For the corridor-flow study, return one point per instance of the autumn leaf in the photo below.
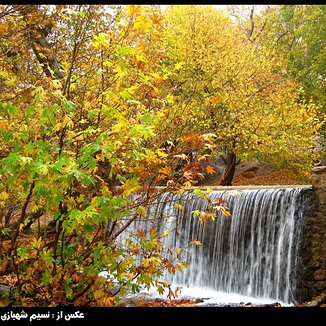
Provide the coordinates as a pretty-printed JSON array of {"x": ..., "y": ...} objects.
[
  {"x": 140, "y": 233},
  {"x": 219, "y": 201},
  {"x": 178, "y": 251},
  {"x": 142, "y": 23},
  {"x": 156, "y": 19},
  {"x": 4, "y": 195},
  {"x": 131, "y": 186},
  {"x": 223, "y": 209},
  {"x": 4, "y": 125},
  {"x": 133, "y": 9},
  {"x": 165, "y": 233},
  {"x": 187, "y": 184},
  {"x": 179, "y": 65},
  {"x": 195, "y": 242},
  {"x": 88, "y": 132},
  {"x": 166, "y": 170},
  {"x": 179, "y": 206},
  {"x": 215, "y": 99},
  {"x": 193, "y": 138},
  {"x": 210, "y": 169}
]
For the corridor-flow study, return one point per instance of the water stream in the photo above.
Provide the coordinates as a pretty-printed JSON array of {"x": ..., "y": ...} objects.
[{"x": 251, "y": 256}]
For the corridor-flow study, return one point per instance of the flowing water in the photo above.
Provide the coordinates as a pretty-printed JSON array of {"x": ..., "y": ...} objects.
[{"x": 253, "y": 254}]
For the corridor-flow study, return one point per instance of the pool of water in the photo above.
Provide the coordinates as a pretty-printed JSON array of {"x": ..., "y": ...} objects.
[{"x": 210, "y": 297}]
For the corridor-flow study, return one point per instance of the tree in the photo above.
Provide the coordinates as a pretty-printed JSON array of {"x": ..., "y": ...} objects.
[
  {"x": 296, "y": 33},
  {"x": 77, "y": 162},
  {"x": 237, "y": 89}
]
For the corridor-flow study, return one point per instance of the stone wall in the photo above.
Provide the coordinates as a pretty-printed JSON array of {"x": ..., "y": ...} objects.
[{"x": 314, "y": 238}]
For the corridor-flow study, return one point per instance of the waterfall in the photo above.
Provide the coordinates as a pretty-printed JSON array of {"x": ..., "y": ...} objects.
[{"x": 255, "y": 252}]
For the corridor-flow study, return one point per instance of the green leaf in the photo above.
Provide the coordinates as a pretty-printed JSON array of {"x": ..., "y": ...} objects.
[{"x": 70, "y": 106}]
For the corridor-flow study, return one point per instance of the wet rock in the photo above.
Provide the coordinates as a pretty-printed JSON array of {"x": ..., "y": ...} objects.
[{"x": 316, "y": 302}]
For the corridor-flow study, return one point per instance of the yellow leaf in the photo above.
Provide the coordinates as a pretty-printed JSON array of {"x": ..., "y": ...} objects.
[
  {"x": 187, "y": 184},
  {"x": 142, "y": 23},
  {"x": 141, "y": 210},
  {"x": 108, "y": 63},
  {"x": 180, "y": 191},
  {"x": 178, "y": 65},
  {"x": 166, "y": 170},
  {"x": 179, "y": 251},
  {"x": 131, "y": 186},
  {"x": 165, "y": 233},
  {"x": 157, "y": 78},
  {"x": 133, "y": 9},
  {"x": 161, "y": 152},
  {"x": 179, "y": 206},
  {"x": 145, "y": 262},
  {"x": 195, "y": 242},
  {"x": 225, "y": 211},
  {"x": 56, "y": 84},
  {"x": 4, "y": 195},
  {"x": 67, "y": 122},
  {"x": 33, "y": 207}
]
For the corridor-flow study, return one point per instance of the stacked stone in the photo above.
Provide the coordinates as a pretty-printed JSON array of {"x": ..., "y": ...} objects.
[{"x": 316, "y": 271}]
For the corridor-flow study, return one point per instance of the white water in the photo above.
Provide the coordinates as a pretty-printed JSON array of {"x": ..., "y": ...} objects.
[
  {"x": 251, "y": 256},
  {"x": 209, "y": 297}
]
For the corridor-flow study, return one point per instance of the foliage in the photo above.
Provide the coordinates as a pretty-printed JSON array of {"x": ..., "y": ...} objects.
[
  {"x": 102, "y": 104},
  {"x": 76, "y": 131},
  {"x": 297, "y": 34},
  {"x": 238, "y": 89}
]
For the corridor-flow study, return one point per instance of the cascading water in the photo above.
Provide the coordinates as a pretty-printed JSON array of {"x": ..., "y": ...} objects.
[{"x": 255, "y": 252}]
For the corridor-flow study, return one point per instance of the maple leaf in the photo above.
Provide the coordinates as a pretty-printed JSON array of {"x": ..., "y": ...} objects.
[
  {"x": 178, "y": 65},
  {"x": 195, "y": 242},
  {"x": 187, "y": 184},
  {"x": 210, "y": 169},
  {"x": 215, "y": 99},
  {"x": 166, "y": 170},
  {"x": 140, "y": 233},
  {"x": 142, "y": 23},
  {"x": 4, "y": 125},
  {"x": 179, "y": 206},
  {"x": 219, "y": 201},
  {"x": 156, "y": 19}
]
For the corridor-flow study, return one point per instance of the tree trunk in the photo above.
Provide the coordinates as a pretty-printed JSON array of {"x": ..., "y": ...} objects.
[{"x": 230, "y": 162}]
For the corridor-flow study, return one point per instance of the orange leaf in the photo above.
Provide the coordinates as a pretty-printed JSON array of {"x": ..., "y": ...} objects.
[
  {"x": 140, "y": 233},
  {"x": 4, "y": 125},
  {"x": 195, "y": 242},
  {"x": 215, "y": 99},
  {"x": 210, "y": 169},
  {"x": 166, "y": 170},
  {"x": 156, "y": 19},
  {"x": 194, "y": 139}
]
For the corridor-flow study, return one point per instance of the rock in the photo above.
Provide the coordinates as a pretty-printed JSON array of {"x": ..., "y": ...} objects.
[
  {"x": 316, "y": 302},
  {"x": 250, "y": 173},
  {"x": 318, "y": 177},
  {"x": 320, "y": 286},
  {"x": 319, "y": 169},
  {"x": 319, "y": 275}
]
